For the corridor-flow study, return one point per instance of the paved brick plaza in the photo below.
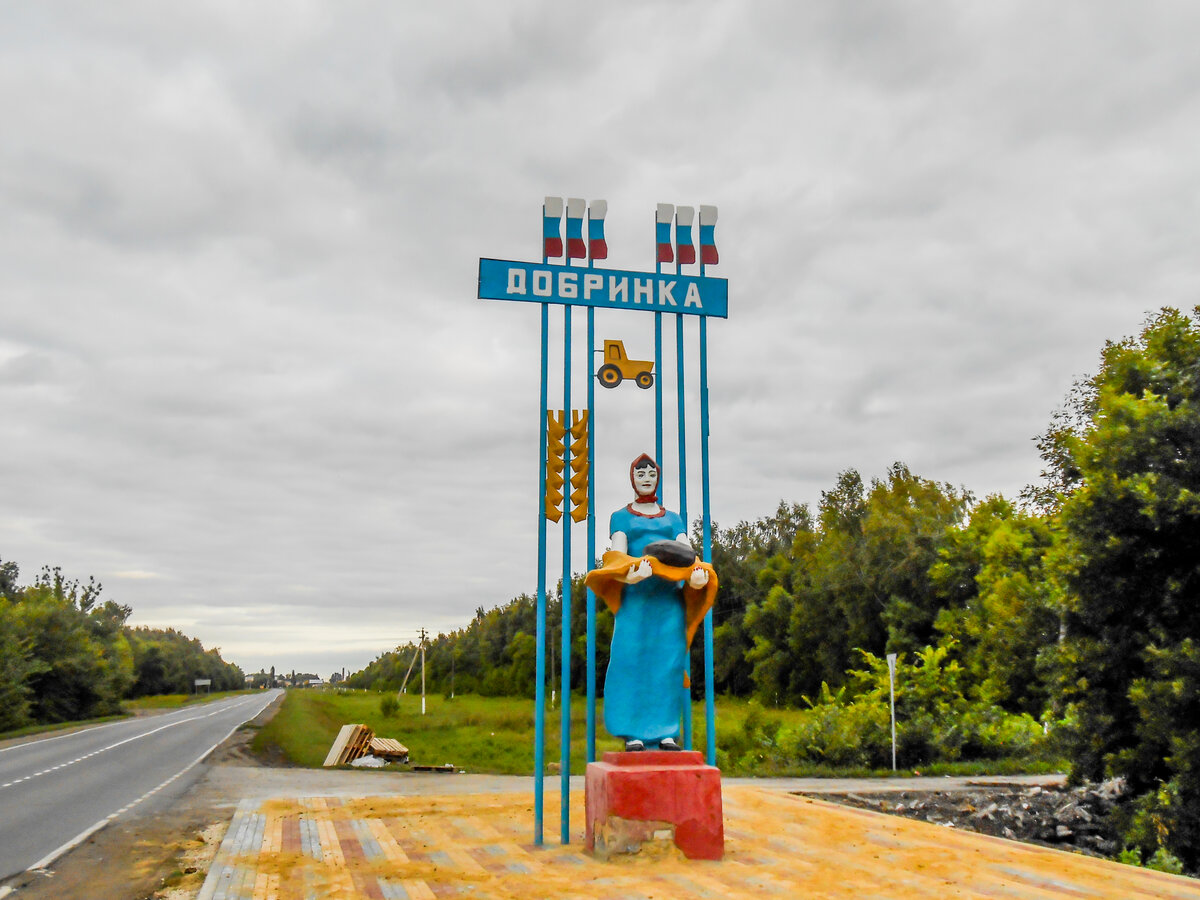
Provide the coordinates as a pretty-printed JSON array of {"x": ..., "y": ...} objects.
[{"x": 478, "y": 845}]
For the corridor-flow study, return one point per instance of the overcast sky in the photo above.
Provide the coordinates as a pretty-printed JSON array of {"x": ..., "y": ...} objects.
[{"x": 244, "y": 377}]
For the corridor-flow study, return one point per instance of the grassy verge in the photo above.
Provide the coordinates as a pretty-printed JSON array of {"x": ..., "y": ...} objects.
[
  {"x": 160, "y": 701},
  {"x": 495, "y": 734},
  {"x": 174, "y": 701},
  {"x": 56, "y": 726},
  {"x": 1012, "y": 765}
]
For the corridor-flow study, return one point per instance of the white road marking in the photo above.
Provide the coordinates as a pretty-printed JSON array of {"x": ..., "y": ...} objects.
[
  {"x": 92, "y": 829},
  {"x": 38, "y": 742},
  {"x": 59, "y": 737},
  {"x": 127, "y": 740}
]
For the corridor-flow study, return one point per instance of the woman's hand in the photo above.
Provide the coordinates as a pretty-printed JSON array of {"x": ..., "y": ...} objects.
[
  {"x": 639, "y": 571},
  {"x": 698, "y": 578}
]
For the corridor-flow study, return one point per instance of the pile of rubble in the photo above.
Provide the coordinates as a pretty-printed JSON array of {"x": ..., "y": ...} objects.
[{"x": 1064, "y": 817}]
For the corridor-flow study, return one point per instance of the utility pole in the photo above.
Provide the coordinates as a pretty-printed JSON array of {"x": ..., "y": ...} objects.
[
  {"x": 422, "y": 671},
  {"x": 404, "y": 683}
]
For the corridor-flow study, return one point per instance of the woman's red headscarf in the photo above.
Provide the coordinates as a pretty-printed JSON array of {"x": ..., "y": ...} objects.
[{"x": 642, "y": 462}]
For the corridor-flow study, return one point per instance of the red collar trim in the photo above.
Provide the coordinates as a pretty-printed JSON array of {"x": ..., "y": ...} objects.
[{"x": 661, "y": 512}]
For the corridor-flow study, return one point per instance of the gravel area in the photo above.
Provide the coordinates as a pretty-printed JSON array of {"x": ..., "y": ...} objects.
[{"x": 1051, "y": 815}]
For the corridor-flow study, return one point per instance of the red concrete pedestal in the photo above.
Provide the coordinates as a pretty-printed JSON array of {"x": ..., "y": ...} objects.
[{"x": 654, "y": 795}]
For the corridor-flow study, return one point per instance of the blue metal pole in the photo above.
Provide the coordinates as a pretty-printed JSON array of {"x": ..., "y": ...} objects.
[
  {"x": 658, "y": 397},
  {"x": 680, "y": 403},
  {"x": 565, "y": 680},
  {"x": 591, "y": 531},
  {"x": 658, "y": 402},
  {"x": 710, "y": 710},
  {"x": 685, "y": 698},
  {"x": 539, "y": 729}
]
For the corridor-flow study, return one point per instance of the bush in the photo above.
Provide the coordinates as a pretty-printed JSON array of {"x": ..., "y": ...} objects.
[
  {"x": 388, "y": 705},
  {"x": 1162, "y": 860},
  {"x": 753, "y": 743},
  {"x": 934, "y": 721},
  {"x": 855, "y": 735}
]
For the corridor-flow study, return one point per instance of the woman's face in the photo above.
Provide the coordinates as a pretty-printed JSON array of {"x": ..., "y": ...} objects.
[{"x": 645, "y": 481}]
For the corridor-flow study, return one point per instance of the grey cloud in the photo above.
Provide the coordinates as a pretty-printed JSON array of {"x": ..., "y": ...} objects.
[{"x": 240, "y": 347}]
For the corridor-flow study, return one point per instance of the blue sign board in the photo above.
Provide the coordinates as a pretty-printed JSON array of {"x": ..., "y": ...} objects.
[{"x": 501, "y": 279}]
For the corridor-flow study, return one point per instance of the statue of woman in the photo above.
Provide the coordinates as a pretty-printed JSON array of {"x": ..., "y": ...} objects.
[{"x": 658, "y": 593}]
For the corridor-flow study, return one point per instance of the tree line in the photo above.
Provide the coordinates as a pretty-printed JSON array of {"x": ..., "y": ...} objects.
[
  {"x": 1075, "y": 606},
  {"x": 66, "y": 656}
]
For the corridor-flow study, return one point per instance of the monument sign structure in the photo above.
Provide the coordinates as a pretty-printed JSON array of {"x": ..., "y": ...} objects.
[{"x": 569, "y": 285}]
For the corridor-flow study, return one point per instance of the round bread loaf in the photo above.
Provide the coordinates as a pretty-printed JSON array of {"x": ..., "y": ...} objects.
[{"x": 672, "y": 553}]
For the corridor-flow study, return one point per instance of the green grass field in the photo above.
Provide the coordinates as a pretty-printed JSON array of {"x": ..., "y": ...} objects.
[
  {"x": 478, "y": 734},
  {"x": 495, "y": 734}
]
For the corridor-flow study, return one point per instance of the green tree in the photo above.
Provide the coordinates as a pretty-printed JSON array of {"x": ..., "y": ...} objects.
[
  {"x": 1123, "y": 472},
  {"x": 17, "y": 667},
  {"x": 739, "y": 555},
  {"x": 998, "y": 605},
  {"x": 165, "y": 661},
  {"x": 72, "y": 676},
  {"x": 9, "y": 572},
  {"x": 858, "y": 581}
]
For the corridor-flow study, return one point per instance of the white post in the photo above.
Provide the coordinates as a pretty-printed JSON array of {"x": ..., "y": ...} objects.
[
  {"x": 891, "y": 661},
  {"x": 423, "y": 677}
]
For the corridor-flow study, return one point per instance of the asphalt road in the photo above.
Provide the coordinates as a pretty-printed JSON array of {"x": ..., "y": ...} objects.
[{"x": 58, "y": 790}]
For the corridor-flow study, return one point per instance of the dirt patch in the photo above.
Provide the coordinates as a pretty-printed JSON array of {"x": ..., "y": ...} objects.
[
  {"x": 134, "y": 860},
  {"x": 194, "y": 863}
]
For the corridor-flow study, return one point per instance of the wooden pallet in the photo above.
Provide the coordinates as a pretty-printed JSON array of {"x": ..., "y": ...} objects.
[
  {"x": 389, "y": 749},
  {"x": 351, "y": 743}
]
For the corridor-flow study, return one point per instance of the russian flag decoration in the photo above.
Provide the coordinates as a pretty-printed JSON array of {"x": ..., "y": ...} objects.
[
  {"x": 685, "y": 250},
  {"x": 708, "y": 244},
  {"x": 597, "y": 246},
  {"x": 552, "y": 245},
  {"x": 576, "y": 248},
  {"x": 662, "y": 232}
]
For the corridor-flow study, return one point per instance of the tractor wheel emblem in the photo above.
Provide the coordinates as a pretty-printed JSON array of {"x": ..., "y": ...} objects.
[{"x": 618, "y": 366}]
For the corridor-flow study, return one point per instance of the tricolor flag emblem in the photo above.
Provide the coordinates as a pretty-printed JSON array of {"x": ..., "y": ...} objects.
[
  {"x": 708, "y": 244},
  {"x": 552, "y": 245},
  {"x": 662, "y": 232},
  {"x": 576, "y": 248},
  {"x": 685, "y": 250},
  {"x": 597, "y": 246}
]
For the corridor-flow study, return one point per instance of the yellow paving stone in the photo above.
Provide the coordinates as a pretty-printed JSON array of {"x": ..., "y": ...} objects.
[
  {"x": 331, "y": 850},
  {"x": 517, "y": 852},
  {"x": 273, "y": 835},
  {"x": 466, "y": 861},
  {"x": 488, "y": 833},
  {"x": 418, "y": 890},
  {"x": 387, "y": 843},
  {"x": 266, "y": 886}
]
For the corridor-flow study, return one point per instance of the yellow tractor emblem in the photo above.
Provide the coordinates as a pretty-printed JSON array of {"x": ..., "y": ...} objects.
[{"x": 617, "y": 367}]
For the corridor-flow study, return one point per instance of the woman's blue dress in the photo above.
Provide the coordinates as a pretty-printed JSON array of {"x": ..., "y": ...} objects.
[{"x": 647, "y": 657}]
